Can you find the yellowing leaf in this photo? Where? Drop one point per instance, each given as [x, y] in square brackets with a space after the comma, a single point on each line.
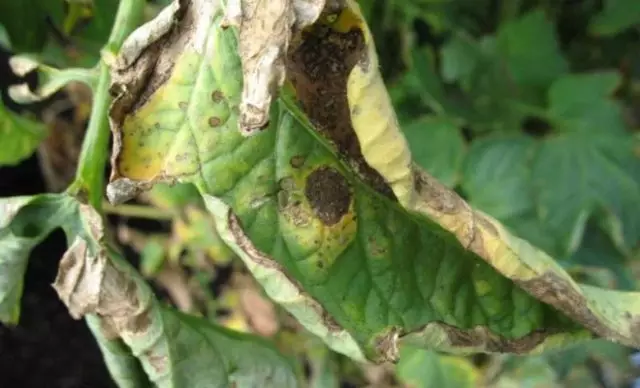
[326, 207]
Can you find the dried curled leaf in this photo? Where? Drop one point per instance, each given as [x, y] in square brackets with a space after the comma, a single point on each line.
[50, 80]
[175, 350]
[265, 29]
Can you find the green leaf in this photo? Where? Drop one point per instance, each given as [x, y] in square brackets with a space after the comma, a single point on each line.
[460, 57]
[617, 16]
[497, 175]
[174, 349]
[125, 369]
[20, 137]
[582, 103]
[24, 223]
[420, 368]
[574, 175]
[14, 253]
[437, 145]
[532, 54]
[26, 22]
[530, 372]
[599, 251]
[329, 212]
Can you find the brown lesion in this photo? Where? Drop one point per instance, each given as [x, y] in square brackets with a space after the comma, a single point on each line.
[318, 69]
[328, 194]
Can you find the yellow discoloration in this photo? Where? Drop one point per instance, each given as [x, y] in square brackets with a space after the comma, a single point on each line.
[383, 145]
[306, 234]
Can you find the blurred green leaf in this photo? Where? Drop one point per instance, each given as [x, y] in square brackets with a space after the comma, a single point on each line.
[598, 250]
[529, 47]
[583, 103]
[420, 368]
[26, 22]
[437, 145]
[616, 16]
[529, 372]
[576, 174]
[496, 175]
[19, 136]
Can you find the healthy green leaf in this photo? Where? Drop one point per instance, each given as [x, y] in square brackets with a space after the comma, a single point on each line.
[327, 209]
[617, 16]
[531, 51]
[437, 145]
[497, 175]
[26, 22]
[582, 103]
[421, 368]
[575, 174]
[20, 136]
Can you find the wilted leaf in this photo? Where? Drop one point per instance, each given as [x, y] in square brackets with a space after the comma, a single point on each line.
[617, 16]
[327, 209]
[24, 223]
[421, 368]
[20, 137]
[14, 252]
[175, 350]
[50, 79]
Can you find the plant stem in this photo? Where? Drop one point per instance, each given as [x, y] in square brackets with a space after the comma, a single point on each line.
[89, 180]
[136, 211]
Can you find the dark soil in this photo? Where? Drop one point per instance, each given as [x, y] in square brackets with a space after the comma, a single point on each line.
[47, 348]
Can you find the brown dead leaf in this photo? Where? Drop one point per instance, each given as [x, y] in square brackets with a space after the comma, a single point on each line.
[266, 30]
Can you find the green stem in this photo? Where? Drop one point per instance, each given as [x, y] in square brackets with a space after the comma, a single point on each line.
[135, 211]
[89, 181]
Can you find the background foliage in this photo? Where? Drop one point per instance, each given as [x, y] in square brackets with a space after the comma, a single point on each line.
[529, 109]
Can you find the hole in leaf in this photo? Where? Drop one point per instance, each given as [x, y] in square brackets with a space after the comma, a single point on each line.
[536, 127]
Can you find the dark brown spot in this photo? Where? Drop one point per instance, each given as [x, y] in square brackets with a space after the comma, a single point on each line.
[214, 121]
[328, 194]
[297, 161]
[319, 69]
[217, 96]
[183, 105]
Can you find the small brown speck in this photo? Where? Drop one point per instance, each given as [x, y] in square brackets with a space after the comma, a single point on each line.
[217, 96]
[297, 161]
[183, 105]
[214, 121]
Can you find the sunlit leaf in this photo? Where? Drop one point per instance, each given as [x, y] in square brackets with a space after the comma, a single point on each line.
[437, 146]
[19, 135]
[421, 368]
[326, 207]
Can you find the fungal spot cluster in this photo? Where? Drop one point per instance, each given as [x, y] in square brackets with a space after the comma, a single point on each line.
[318, 69]
[328, 194]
